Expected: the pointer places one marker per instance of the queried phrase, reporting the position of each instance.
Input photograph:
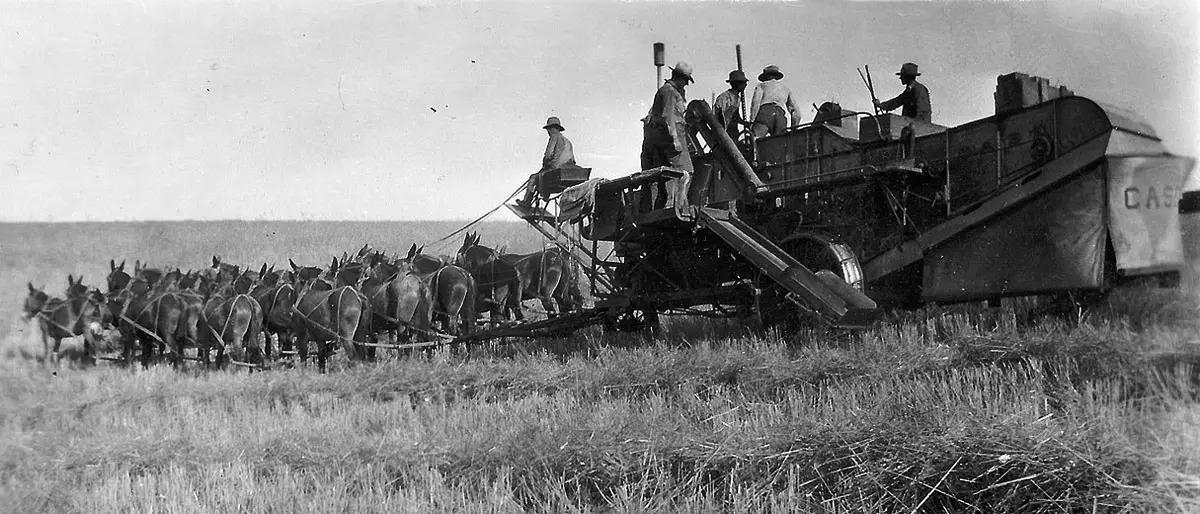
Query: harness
(44, 315)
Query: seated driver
(558, 154)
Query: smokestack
(659, 61)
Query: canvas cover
(1143, 209)
(1053, 242)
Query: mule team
(233, 315)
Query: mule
(81, 313)
(231, 324)
(147, 317)
(498, 283)
(545, 275)
(400, 301)
(327, 315)
(276, 295)
(452, 288)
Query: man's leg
(530, 191)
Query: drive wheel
(632, 319)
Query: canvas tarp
(1053, 242)
(1143, 209)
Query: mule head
(151, 275)
(103, 314)
(113, 266)
(188, 280)
(35, 301)
(117, 279)
(170, 280)
(75, 287)
(303, 273)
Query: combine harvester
(1055, 193)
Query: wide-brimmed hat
(770, 72)
(553, 122)
(908, 68)
(682, 69)
(737, 76)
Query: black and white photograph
(598, 256)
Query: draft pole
(659, 62)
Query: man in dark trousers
(558, 154)
(664, 137)
(914, 101)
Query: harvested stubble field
(960, 409)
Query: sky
(377, 110)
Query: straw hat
(553, 122)
(770, 72)
(682, 69)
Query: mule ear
(31, 288)
(293, 265)
(420, 249)
(216, 262)
(412, 250)
(334, 265)
(121, 267)
(70, 280)
(112, 265)
(263, 271)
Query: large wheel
(815, 252)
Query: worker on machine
(558, 154)
(770, 98)
(665, 138)
(914, 101)
(728, 106)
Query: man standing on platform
(665, 138)
(728, 106)
(914, 101)
(768, 102)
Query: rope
(477, 220)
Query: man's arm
(551, 149)
(891, 105)
(791, 106)
(673, 117)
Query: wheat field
(957, 409)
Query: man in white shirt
(767, 107)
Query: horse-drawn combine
(832, 220)
(1055, 193)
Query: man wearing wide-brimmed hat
(664, 137)
(914, 101)
(728, 106)
(558, 154)
(770, 98)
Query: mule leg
(89, 346)
(302, 347)
(322, 354)
(54, 353)
(266, 347)
(147, 351)
(45, 345)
